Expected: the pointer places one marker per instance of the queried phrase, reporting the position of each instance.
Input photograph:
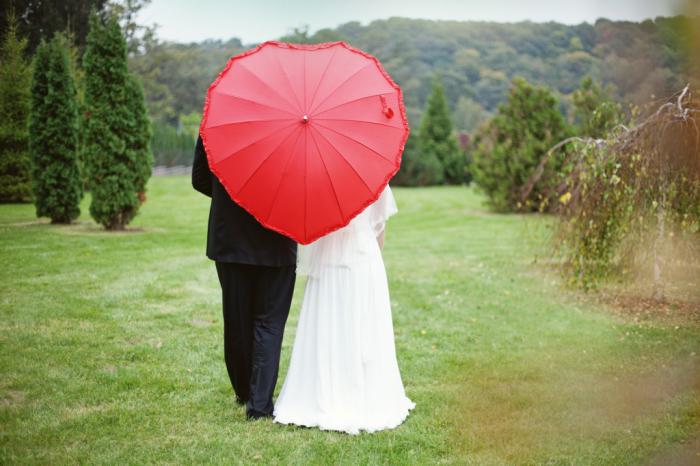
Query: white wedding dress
(343, 374)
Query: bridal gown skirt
(343, 374)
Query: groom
(256, 269)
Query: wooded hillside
(476, 61)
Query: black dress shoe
(253, 415)
(240, 401)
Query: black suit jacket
(233, 234)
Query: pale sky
(259, 20)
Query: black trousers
(256, 301)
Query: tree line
(476, 62)
(504, 151)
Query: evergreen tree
(79, 78)
(41, 19)
(53, 131)
(171, 147)
(509, 148)
(595, 112)
(437, 141)
(404, 177)
(418, 169)
(15, 81)
(108, 125)
(138, 142)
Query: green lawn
(111, 349)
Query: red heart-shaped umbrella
(304, 137)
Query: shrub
(509, 148)
(171, 147)
(634, 196)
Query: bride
(343, 374)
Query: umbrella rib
(349, 102)
(279, 186)
(353, 139)
(304, 52)
(306, 196)
(323, 75)
(216, 91)
(346, 161)
(338, 86)
(289, 81)
(247, 121)
(260, 139)
(266, 85)
(267, 156)
(330, 180)
(359, 121)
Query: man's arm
(201, 175)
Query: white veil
(352, 242)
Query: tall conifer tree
(15, 81)
(437, 140)
(139, 136)
(108, 157)
(53, 130)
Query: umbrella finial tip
(305, 118)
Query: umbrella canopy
(304, 137)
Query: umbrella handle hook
(388, 111)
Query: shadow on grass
(84, 227)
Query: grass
(112, 349)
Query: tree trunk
(658, 293)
